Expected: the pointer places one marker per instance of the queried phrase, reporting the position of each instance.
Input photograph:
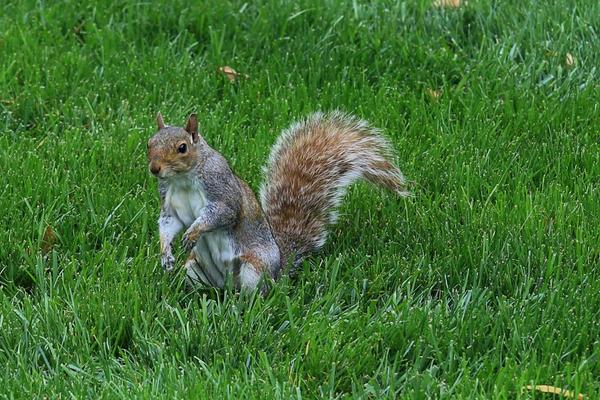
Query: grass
(485, 282)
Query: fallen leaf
(434, 94)
(231, 73)
(569, 60)
(555, 390)
(48, 240)
(447, 3)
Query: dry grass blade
(434, 94)
(569, 60)
(555, 390)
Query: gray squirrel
(228, 232)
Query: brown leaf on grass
(434, 94)
(556, 390)
(448, 3)
(231, 73)
(569, 60)
(48, 240)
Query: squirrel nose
(155, 168)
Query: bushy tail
(308, 171)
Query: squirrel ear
(192, 127)
(159, 121)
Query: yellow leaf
(555, 390)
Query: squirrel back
(309, 169)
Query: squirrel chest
(215, 249)
(186, 199)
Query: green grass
(486, 281)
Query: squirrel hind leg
(251, 274)
(200, 274)
(195, 275)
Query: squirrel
(229, 234)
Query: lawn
(486, 281)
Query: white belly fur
(187, 201)
(214, 250)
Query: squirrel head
(173, 150)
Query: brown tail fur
(308, 171)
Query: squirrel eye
(182, 148)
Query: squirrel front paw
(190, 237)
(167, 261)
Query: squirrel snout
(154, 168)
